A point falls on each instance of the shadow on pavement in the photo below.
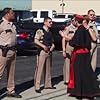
(2, 93)
(26, 85)
(27, 53)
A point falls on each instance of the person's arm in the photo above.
(37, 42)
(92, 34)
(1, 30)
(67, 38)
(64, 47)
(37, 38)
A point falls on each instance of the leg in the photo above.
(48, 71)
(2, 63)
(94, 57)
(40, 67)
(11, 59)
(94, 60)
(66, 70)
(36, 69)
(11, 71)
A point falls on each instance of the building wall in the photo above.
(16, 4)
(71, 6)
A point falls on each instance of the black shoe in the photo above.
(66, 83)
(50, 88)
(38, 91)
(15, 95)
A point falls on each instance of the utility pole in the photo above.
(62, 5)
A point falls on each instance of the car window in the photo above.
(34, 13)
(26, 15)
(70, 16)
(44, 14)
(59, 16)
(22, 15)
(97, 19)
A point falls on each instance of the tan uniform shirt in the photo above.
(94, 47)
(39, 35)
(94, 27)
(7, 33)
(70, 30)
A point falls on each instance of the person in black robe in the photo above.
(82, 82)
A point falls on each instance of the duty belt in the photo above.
(6, 48)
(39, 49)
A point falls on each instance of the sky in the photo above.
(16, 4)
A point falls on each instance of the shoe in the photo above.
(98, 77)
(66, 83)
(15, 95)
(38, 91)
(50, 88)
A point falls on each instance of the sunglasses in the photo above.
(92, 15)
(50, 22)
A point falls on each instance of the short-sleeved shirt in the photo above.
(70, 29)
(7, 33)
(39, 35)
(94, 27)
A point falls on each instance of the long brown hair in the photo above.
(85, 17)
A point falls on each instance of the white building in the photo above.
(71, 6)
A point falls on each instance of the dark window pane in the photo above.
(44, 14)
(34, 14)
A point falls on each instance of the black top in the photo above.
(81, 38)
(47, 38)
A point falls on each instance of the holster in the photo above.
(4, 52)
(68, 55)
(5, 49)
(39, 50)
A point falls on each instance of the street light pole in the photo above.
(62, 5)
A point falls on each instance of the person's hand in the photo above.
(64, 54)
(45, 49)
(49, 52)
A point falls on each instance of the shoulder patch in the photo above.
(39, 31)
(1, 21)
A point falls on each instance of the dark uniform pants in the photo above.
(9, 62)
(43, 66)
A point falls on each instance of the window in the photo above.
(97, 19)
(26, 15)
(44, 14)
(70, 16)
(60, 16)
(34, 13)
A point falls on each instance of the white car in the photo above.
(97, 19)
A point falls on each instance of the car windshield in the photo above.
(23, 15)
